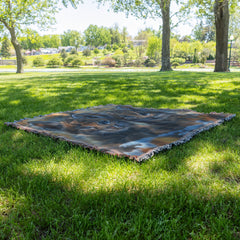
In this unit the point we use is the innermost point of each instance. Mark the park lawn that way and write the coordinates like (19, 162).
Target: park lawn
(45, 57)
(8, 67)
(89, 60)
(53, 190)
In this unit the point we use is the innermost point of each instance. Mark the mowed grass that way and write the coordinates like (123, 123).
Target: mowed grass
(53, 190)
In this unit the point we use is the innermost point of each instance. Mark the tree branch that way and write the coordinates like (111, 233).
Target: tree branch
(5, 23)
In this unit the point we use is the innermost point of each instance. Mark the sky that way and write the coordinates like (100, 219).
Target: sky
(88, 13)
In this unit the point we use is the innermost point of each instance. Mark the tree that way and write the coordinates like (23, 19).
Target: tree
(234, 25)
(144, 9)
(165, 9)
(144, 35)
(115, 35)
(205, 32)
(5, 50)
(51, 41)
(63, 54)
(124, 35)
(221, 10)
(31, 41)
(154, 48)
(97, 36)
(15, 15)
(186, 38)
(72, 38)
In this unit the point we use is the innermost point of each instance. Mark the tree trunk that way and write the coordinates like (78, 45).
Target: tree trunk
(221, 12)
(165, 8)
(17, 48)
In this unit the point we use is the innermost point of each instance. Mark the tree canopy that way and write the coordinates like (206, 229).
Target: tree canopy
(145, 9)
(71, 38)
(5, 49)
(22, 13)
(97, 36)
(234, 25)
(17, 15)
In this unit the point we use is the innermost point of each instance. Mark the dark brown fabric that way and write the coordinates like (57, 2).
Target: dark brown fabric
(120, 130)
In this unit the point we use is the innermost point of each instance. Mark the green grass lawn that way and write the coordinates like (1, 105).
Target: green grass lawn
(53, 190)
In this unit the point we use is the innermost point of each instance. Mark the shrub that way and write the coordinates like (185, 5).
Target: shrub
(54, 62)
(175, 64)
(68, 60)
(38, 62)
(24, 60)
(105, 52)
(73, 61)
(195, 59)
(86, 52)
(119, 60)
(131, 46)
(138, 62)
(154, 48)
(180, 54)
(125, 50)
(122, 45)
(109, 61)
(130, 63)
(203, 59)
(211, 57)
(63, 54)
(76, 62)
(115, 46)
(118, 52)
(74, 51)
(195, 56)
(109, 48)
(97, 62)
(96, 50)
(236, 54)
(150, 62)
(126, 59)
(178, 60)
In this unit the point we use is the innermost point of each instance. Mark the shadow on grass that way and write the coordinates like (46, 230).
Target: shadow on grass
(34, 95)
(110, 198)
(57, 92)
(43, 206)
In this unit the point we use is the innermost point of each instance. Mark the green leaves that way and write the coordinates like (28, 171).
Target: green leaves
(97, 36)
(74, 3)
(71, 38)
(21, 13)
(5, 49)
(16, 15)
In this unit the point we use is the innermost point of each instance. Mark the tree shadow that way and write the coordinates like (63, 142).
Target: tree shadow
(35, 95)
(162, 198)
(51, 209)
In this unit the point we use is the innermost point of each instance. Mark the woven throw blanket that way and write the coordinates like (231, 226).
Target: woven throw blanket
(122, 130)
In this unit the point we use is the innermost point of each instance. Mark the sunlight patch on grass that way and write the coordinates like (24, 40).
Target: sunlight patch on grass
(193, 98)
(69, 174)
(86, 178)
(10, 203)
(52, 189)
(5, 207)
(17, 136)
(199, 163)
(110, 98)
(15, 102)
